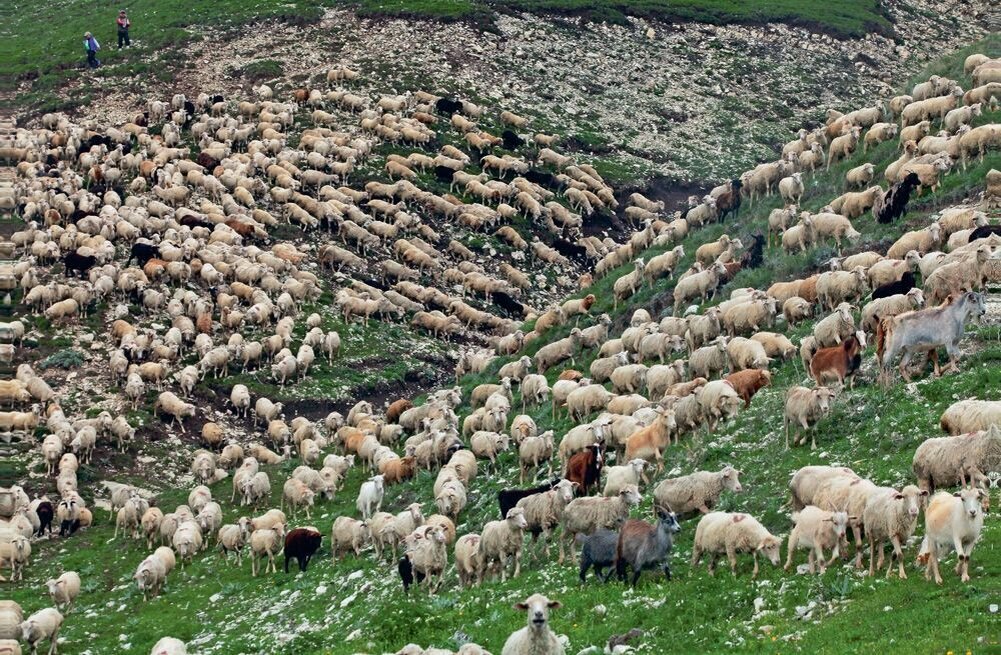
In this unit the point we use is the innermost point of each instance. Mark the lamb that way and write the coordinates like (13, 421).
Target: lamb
(501, 539)
(64, 590)
(536, 638)
(733, 533)
(956, 521)
(836, 327)
(43, 624)
(370, 496)
(584, 515)
(815, 530)
(891, 515)
(642, 546)
(805, 407)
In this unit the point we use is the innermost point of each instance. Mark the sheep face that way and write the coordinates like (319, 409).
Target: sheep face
(731, 479)
(537, 606)
(912, 499)
(971, 500)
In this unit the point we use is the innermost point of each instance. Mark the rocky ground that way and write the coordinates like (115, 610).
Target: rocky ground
(694, 102)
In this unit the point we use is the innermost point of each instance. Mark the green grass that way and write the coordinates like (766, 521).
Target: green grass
(841, 17)
(221, 609)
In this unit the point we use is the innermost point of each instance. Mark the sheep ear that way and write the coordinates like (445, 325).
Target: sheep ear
(555, 604)
(520, 606)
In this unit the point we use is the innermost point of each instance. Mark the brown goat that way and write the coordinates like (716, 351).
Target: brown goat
(838, 362)
(749, 382)
(584, 469)
(396, 408)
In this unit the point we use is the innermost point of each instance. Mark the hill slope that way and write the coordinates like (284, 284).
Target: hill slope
(356, 605)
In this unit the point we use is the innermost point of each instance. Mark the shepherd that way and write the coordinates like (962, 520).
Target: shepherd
(123, 29)
(92, 46)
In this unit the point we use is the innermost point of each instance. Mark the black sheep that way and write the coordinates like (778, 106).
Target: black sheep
(901, 286)
(448, 106)
(511, 140)
(143, 252)
(45, 513)
(301, 544)
(189, 109)
(407, 574)
(542, 178)
(80, 263)
(894, 204)
(984, 231)
(444, 174)
(206, 161)
(571, 250)
(217, 98)
(508, 304)
(754, 255)
(508, 498)
(190, 220)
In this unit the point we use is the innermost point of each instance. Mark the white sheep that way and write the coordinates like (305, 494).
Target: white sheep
(536, 638)
(43, 624)
(804, 407)
(370, 496)
(815, 530)
(64, 590)
(348, 534)
(699, 491)
(891, 515)
(719, 532)
(502, 539)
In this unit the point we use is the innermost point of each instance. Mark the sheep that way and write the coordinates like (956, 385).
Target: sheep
(534, 390)
(791, 188)
(745, 353)
(956, 521)
(889, 306)
(534, 450)
(585, 399)
(956, 276)
(858, 177)
(627, 285)
(557, 351)
(804, 406)
(169, 646)
(698, 285)
(266, 542)
(232, 538)
(779, 219)
(922, 241)
(64, 590)
(749, 316)
(536, 638)
(642, 546)
(661, 377)
(709, 360)
(584, 515)
(425, 554)
(796, 310)
(802, 235)
(971, 415)
(947, 461)
(469, 563)
(733, 533)
(891, 515)
(619, 476)
(150, 576)
(834, 226)
(43, 624)
(168, 403)
(816, 529)
(501, 539)
(348, 534)
(836, 327)
(663, 264)
(836, 287)
(961, 116)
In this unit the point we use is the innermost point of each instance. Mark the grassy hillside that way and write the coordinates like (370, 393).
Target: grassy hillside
(357, 605)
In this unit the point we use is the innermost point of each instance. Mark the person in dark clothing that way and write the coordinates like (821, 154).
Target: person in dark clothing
(92, 46)
(123, 29)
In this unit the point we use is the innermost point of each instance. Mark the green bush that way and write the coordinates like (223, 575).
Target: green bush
(68, 358)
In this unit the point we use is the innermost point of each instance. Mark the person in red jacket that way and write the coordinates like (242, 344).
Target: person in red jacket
(123, 29)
